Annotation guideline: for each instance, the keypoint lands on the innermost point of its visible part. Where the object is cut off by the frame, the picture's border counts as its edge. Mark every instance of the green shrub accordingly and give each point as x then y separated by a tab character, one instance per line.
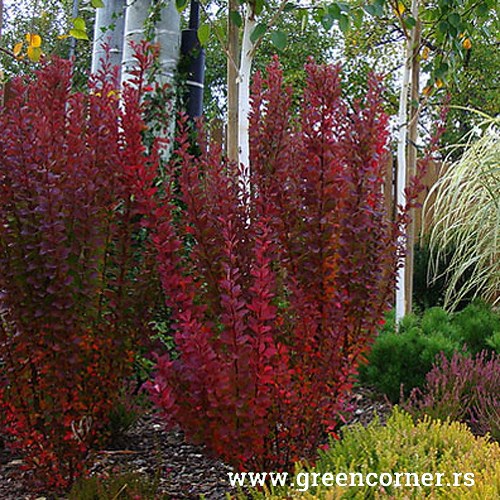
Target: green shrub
494	342
437	320
476	325
402	446
403	359
399	361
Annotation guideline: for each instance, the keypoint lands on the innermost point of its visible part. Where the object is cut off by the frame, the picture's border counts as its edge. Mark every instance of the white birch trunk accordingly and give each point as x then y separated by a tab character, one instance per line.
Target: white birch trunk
135	17
167	35
109	26
246	60
401	298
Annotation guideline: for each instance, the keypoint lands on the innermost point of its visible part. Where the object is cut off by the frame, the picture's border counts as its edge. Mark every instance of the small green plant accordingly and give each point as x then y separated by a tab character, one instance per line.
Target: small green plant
401	446
132	404
128	486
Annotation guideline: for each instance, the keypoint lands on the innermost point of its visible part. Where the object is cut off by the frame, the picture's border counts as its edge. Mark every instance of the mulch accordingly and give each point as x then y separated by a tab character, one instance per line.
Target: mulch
182	470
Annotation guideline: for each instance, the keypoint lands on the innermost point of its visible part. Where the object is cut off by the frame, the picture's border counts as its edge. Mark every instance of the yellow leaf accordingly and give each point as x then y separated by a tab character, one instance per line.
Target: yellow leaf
34	40
400	8
18	47
425	53
439	83
427	90
34	53
467	44
62	37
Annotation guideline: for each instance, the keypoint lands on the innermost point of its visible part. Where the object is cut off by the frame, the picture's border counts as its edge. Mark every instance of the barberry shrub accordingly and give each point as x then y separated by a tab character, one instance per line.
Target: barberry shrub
74	277
275	289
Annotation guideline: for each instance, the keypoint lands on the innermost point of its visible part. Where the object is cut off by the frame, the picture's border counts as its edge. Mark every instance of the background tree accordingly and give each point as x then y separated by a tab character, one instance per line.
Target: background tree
53	22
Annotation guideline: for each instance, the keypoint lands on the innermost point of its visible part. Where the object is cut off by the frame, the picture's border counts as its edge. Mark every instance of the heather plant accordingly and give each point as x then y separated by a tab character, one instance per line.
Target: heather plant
400	446
462	388
275	287
74	276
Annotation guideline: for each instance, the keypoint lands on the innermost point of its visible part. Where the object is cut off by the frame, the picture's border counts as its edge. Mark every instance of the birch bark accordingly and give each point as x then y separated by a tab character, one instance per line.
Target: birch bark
109	26
247	54
167	35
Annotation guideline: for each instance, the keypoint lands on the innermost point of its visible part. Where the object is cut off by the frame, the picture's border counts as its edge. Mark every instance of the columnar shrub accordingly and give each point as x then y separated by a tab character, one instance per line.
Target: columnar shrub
274	292
72	280
463	388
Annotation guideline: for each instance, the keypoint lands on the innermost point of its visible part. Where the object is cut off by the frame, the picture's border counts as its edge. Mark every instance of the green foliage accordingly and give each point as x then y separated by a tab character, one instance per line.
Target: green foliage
129	486
477	86
494	342
204	34
79	30
407	356
402	446
51	20
478	327
430	291
126	412
295	40
400	361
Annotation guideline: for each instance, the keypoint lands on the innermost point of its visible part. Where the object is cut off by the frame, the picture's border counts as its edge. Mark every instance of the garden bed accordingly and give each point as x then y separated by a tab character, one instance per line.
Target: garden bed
181	470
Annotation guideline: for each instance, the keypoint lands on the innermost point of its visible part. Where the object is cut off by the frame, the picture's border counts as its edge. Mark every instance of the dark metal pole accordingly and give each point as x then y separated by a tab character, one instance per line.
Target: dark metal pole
194	62
72	42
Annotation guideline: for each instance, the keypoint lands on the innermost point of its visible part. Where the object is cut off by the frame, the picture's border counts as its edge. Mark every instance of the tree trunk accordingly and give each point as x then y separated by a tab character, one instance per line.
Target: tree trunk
411	167
401	298
244	98
232	147
109	27
72	43
136	14
167	35
1	18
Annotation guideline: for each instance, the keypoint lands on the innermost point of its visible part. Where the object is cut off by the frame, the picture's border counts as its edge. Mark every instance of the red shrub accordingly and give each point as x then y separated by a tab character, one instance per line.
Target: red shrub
275	295
73	281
